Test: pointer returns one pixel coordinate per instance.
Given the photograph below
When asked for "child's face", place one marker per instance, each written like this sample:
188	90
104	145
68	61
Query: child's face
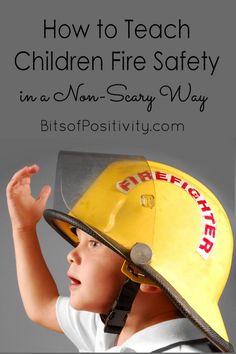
95	275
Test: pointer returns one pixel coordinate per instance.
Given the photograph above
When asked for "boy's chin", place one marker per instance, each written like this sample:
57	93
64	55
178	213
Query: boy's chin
76	305
88	307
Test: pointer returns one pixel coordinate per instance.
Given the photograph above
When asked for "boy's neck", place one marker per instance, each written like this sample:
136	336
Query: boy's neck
148	309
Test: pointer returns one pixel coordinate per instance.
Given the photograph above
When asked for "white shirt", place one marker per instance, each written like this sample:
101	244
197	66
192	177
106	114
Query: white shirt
86	331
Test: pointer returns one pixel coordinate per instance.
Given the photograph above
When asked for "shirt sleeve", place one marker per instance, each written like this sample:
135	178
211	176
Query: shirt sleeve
79	326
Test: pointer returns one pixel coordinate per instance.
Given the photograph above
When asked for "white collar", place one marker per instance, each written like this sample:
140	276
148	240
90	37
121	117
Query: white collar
160	336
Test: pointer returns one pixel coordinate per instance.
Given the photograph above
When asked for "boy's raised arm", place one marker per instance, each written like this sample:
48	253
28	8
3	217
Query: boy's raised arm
37	286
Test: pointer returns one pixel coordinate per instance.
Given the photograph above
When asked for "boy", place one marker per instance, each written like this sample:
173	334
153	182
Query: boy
119	217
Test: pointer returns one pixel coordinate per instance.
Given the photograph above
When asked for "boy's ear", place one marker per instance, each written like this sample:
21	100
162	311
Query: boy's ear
145	288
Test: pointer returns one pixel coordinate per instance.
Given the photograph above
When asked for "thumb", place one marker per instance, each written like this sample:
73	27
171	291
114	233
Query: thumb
44	194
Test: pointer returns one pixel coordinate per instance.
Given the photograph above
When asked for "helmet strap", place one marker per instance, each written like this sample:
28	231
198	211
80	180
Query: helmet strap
115	319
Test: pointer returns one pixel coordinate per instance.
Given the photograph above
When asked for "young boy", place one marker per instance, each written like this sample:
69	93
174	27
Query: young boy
119	220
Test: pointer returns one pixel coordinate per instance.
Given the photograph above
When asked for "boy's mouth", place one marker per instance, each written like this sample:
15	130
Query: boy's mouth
73	281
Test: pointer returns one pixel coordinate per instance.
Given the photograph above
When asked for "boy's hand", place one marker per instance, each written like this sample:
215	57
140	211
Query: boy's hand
25	210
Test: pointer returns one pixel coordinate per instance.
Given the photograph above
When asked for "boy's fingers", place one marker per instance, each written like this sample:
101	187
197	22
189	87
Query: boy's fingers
26	171
11	186
23	175
44	194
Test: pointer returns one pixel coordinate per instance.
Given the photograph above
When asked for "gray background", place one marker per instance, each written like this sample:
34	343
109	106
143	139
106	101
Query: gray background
206	149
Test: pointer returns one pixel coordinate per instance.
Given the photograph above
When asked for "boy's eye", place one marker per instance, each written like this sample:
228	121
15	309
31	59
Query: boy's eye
94	243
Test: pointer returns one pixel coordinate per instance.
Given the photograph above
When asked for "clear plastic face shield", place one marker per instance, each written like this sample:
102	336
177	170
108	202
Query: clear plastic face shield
111	197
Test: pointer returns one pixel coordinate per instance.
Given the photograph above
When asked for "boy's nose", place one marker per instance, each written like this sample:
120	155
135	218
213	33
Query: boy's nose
73	256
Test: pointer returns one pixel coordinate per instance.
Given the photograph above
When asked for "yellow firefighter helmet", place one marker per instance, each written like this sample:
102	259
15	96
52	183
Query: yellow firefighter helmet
164	222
